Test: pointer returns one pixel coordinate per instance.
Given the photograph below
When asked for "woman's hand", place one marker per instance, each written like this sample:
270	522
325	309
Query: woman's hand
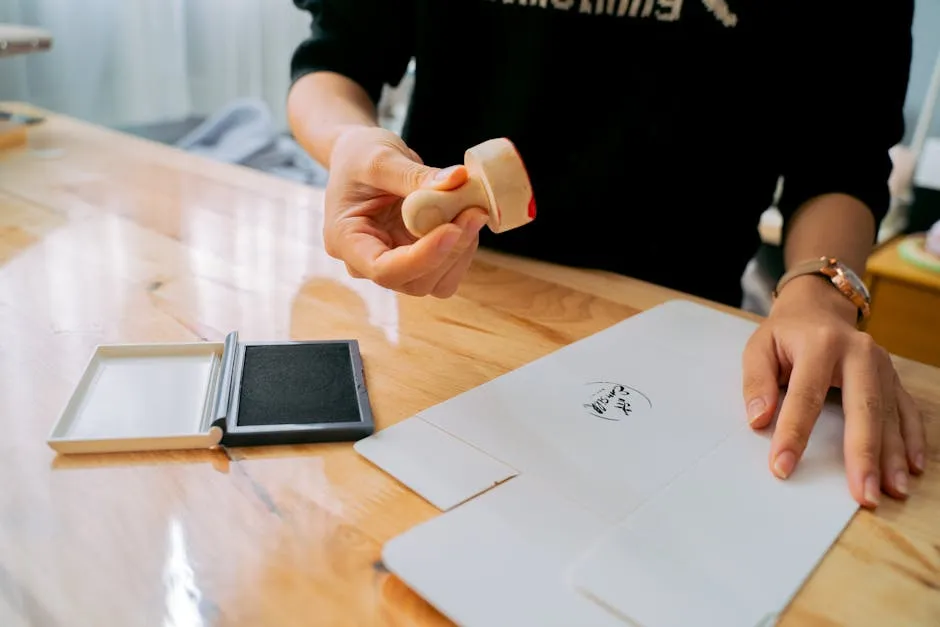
371	171
810	343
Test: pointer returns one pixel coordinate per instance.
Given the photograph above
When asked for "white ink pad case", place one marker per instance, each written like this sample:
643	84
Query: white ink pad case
139	397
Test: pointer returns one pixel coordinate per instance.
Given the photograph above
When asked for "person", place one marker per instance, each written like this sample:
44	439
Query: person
655	133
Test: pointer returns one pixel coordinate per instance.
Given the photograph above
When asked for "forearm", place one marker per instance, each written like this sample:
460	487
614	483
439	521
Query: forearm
321	105
831	225
842	109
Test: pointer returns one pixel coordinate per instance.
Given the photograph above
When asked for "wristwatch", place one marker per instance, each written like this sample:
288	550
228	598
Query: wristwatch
841	276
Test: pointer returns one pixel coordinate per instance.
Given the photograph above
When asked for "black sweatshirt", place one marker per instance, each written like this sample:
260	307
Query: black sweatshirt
654	131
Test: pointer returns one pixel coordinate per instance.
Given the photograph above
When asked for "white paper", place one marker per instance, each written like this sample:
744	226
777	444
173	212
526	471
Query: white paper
636	471
502	559
442	469
726	543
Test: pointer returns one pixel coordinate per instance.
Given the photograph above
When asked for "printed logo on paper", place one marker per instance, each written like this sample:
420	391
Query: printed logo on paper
615	401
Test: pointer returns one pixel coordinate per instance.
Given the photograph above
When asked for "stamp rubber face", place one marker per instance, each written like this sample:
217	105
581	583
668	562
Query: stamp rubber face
297	384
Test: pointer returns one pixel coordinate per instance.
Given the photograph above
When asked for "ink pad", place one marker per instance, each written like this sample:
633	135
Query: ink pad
135	397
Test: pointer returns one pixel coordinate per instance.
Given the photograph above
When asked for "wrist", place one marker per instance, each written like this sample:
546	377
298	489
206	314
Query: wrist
815	292
345	134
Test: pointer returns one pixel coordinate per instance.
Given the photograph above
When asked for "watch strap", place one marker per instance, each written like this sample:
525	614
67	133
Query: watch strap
836	273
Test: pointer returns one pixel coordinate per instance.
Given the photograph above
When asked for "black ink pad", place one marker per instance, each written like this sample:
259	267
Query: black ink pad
135	397
294	392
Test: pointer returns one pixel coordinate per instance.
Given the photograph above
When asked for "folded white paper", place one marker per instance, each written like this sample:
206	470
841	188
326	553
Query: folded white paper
614	482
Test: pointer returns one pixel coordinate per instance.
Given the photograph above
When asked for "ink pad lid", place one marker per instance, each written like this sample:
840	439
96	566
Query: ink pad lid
139	397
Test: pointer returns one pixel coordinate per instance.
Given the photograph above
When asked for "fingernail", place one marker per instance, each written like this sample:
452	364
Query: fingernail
872	490
900	482
755	409
446	172
919	462
784	464
448	241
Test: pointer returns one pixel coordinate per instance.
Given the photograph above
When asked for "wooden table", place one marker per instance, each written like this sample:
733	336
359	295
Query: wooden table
905	305
115	239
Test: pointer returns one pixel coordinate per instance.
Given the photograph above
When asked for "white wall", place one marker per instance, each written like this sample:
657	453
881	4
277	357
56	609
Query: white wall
129	62
926	48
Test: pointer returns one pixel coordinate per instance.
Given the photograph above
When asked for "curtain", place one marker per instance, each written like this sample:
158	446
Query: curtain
132	62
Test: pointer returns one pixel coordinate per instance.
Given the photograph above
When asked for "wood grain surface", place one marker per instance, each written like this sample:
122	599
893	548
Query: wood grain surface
108	238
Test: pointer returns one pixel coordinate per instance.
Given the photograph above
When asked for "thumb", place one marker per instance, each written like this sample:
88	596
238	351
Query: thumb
761	376
394	172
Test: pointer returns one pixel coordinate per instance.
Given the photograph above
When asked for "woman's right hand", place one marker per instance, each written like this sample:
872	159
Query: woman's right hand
371	171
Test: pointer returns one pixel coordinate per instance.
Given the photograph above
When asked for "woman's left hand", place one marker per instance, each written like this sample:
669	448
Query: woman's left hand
810	343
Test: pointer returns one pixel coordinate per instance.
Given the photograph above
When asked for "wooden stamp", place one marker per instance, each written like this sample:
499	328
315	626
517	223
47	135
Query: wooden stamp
498	183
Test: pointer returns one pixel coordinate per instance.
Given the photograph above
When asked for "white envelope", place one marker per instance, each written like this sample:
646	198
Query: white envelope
614	482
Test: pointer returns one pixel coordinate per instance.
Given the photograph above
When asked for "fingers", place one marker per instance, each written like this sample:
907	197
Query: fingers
405	264
353	272
449	283
378	169
392	170
911	427
448	178
894	471
865	418
802	404
761	376
416	268
444	280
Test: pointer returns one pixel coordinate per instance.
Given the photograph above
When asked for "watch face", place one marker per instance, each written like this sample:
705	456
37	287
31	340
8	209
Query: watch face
853	280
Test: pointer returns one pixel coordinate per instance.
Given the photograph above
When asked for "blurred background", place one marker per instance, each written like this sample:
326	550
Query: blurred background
206	54
109	55
212	76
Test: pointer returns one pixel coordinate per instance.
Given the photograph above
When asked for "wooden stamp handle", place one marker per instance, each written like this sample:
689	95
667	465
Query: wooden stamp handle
425	209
